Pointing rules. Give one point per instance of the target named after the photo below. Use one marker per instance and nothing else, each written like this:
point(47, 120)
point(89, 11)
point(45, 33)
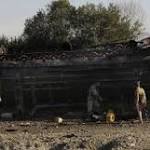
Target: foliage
point(80, 27)
point(16, 45)
point(3, 41)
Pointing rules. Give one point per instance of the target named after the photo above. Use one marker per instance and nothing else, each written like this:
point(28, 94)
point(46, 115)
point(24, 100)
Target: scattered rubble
point(123, 142)
point(44, 135)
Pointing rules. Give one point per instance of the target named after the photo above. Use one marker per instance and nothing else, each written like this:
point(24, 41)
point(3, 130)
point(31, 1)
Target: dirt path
point(52, 136)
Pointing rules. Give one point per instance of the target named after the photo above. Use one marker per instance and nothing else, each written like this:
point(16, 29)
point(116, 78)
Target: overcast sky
point(14, 12)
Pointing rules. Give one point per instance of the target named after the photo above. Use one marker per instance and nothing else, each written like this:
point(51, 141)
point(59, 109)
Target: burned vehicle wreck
point(58, 83)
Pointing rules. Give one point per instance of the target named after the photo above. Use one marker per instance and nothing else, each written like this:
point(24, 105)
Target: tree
point(4, 41)
point(36, 31)
point(131, 9)
point(3, 44)
point(16, 45)
point(50, 29)
point(82, 27)
point(58, 15)
point(133, 12)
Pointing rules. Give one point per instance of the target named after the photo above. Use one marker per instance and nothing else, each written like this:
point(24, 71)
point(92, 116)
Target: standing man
point(93, 99)
point(140, 100)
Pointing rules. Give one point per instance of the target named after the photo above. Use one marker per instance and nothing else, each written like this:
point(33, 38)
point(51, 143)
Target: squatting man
point(94, 101)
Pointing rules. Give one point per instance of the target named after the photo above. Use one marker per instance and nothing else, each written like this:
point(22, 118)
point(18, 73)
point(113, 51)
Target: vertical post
point(19, 95)
point(33, 95)
point(19, 99)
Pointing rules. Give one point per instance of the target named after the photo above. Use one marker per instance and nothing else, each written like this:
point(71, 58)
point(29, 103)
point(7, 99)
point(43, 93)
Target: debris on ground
point(41, 135)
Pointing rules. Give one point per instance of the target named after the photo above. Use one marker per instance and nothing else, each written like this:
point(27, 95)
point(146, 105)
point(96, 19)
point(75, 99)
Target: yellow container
point(110, 117)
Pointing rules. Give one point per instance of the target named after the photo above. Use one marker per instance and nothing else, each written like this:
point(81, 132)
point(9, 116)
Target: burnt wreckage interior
point(58, 83)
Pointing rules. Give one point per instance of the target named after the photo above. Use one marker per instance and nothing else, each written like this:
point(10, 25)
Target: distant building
point(145, 42)
point(143, 35)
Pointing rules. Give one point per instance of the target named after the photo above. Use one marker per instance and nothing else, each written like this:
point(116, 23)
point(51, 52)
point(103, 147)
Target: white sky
point(14, 12)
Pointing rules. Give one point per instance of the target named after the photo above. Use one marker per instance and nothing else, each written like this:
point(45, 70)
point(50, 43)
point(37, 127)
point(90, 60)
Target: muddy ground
point(73, 135)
